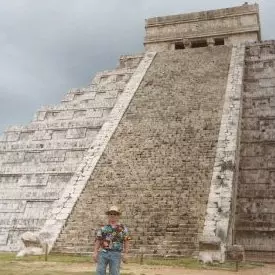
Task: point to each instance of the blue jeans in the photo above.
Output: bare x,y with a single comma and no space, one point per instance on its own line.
112,258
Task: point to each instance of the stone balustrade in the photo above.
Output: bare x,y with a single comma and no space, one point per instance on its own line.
39,160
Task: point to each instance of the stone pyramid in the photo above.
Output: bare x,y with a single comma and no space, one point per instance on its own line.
180,137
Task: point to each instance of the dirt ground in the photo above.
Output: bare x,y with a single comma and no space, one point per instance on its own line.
160,270
136,269
53,268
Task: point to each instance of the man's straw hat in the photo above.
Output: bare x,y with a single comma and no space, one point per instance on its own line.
113,209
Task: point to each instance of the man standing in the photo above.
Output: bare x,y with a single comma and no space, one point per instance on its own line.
111,244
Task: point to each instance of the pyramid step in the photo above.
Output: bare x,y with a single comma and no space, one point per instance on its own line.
116,72
42,156
53,144
14,181
38,194
13,133
99,102
130,61
42,168
268,57
85,101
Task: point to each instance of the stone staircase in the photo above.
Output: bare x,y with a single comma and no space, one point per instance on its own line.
255,215
38,160
158,164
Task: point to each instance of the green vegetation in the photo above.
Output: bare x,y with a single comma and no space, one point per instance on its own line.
36,265
192,263
58,264
51,258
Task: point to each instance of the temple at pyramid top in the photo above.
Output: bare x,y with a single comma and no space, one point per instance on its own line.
200,29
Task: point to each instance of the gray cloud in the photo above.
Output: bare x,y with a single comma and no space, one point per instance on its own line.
50,46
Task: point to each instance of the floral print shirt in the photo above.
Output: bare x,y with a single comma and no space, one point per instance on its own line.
112,238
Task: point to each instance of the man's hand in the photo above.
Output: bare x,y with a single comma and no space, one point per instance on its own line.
96,248
95,257
125,258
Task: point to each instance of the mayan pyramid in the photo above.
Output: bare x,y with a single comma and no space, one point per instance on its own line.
181,137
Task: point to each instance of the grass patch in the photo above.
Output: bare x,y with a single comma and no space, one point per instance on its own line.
59,264
192,263
62,258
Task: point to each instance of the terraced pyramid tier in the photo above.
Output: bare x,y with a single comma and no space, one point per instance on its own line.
37,161
158,164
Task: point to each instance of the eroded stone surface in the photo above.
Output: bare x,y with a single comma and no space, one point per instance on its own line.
39,160
63,206
255,213
207,28
158,164
222,196
153,137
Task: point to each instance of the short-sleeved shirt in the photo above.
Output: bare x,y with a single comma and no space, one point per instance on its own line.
112,238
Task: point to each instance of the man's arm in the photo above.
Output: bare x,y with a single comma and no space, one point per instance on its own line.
125,251
126,247
96,248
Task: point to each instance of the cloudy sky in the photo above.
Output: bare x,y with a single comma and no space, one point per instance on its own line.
47,47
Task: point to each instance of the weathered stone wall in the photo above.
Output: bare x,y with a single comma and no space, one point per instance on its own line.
219,220
255,224
234,25
61,208
38,161
158,165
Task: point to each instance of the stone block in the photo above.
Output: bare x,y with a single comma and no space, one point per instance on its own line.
208,257
48,195
209,242
42,135
13,157
68,97
35,180
40,115
272,99
37,210
59,125
12,206
59,134
26,136
3,237
271,163
235,253
80,113
267,82
253,149
11,136
266,124
251,124
33,244
53,156
65,115
254,176
76,133
253,163
94,113
85,96
75,155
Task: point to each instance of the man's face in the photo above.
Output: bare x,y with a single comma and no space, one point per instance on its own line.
113,217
